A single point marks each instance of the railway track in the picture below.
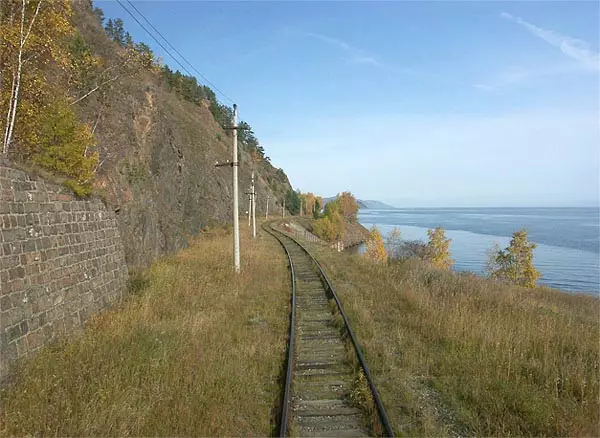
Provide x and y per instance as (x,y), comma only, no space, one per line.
(319,374)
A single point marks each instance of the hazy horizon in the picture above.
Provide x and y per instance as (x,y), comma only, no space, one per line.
(395,204)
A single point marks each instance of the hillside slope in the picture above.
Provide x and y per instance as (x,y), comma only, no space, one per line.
(364,203)
(157,154)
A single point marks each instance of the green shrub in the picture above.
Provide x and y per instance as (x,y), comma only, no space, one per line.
(64,145)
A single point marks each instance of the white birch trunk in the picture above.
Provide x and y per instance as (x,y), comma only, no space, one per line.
(14,99)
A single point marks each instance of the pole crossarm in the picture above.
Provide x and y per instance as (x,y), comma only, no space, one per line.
(231,128)
(227,164)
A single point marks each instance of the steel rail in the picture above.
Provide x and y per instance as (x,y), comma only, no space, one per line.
(290,355)
(380,408)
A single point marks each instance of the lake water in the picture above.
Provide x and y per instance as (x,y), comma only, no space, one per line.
(568,239)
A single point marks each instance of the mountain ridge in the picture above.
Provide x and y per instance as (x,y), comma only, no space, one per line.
(367,204)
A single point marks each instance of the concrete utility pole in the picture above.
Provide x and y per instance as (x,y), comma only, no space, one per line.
(283,209)
(267,213)
(301,207)
(236,211)
(249,208)
(253,208)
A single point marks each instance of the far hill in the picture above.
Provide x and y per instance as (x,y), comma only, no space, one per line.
(374,205)
(365,204)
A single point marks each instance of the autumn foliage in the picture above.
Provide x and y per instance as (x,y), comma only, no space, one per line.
(325,229)
(308,204)
(37,120)
(375,248)
(514,264)
(331,226)
(394,243)
(348,206)
(437,251)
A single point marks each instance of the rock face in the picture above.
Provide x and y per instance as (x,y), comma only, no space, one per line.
(158,155)
(61,260)
(165,186)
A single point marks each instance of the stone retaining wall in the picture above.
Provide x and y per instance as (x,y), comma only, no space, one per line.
(61,260)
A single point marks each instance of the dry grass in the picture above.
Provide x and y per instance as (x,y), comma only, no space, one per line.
(456,354)
(195,351)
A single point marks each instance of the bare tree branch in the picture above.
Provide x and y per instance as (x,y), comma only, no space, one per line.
(96,88)
(98,118)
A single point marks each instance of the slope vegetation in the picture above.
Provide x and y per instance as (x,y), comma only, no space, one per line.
(460,355)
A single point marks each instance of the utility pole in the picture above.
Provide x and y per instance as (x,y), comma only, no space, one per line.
(267,213)
(283,209)
(249,207)
(236,213)
(301,207)
(253,208)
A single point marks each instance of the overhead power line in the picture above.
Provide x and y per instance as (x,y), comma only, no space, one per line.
(171,46)
(154,38)
(180,54)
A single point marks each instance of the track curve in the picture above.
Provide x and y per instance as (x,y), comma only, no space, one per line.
(319,376)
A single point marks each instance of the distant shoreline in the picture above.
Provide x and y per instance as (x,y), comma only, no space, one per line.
(568,245)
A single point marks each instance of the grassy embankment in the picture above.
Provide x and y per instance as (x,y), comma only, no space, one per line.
(194,351)
(456,354)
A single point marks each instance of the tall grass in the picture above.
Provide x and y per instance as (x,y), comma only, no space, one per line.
(195,350)
(457,354)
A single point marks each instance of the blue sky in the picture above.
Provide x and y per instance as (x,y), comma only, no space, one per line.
(412,103)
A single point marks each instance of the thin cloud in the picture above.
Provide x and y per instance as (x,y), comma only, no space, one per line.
(485,87)
(357,56)
(522,76)
(368,60)
(571,47)
(508,79)
(334,42)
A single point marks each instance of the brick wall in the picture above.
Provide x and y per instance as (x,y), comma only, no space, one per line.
(61,260)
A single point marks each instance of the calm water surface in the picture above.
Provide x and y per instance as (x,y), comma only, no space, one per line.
(568,251)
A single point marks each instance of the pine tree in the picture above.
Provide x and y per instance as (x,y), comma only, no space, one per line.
(99,14)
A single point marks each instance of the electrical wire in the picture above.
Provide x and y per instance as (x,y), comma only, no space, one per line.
(180,54)
(171,46)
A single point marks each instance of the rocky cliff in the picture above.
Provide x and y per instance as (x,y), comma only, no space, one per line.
(157,154)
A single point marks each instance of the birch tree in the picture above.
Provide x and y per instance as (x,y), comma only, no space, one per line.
(31,37)
(438,249)
(24,33)
(514,264)
(38,124)
(375,248)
